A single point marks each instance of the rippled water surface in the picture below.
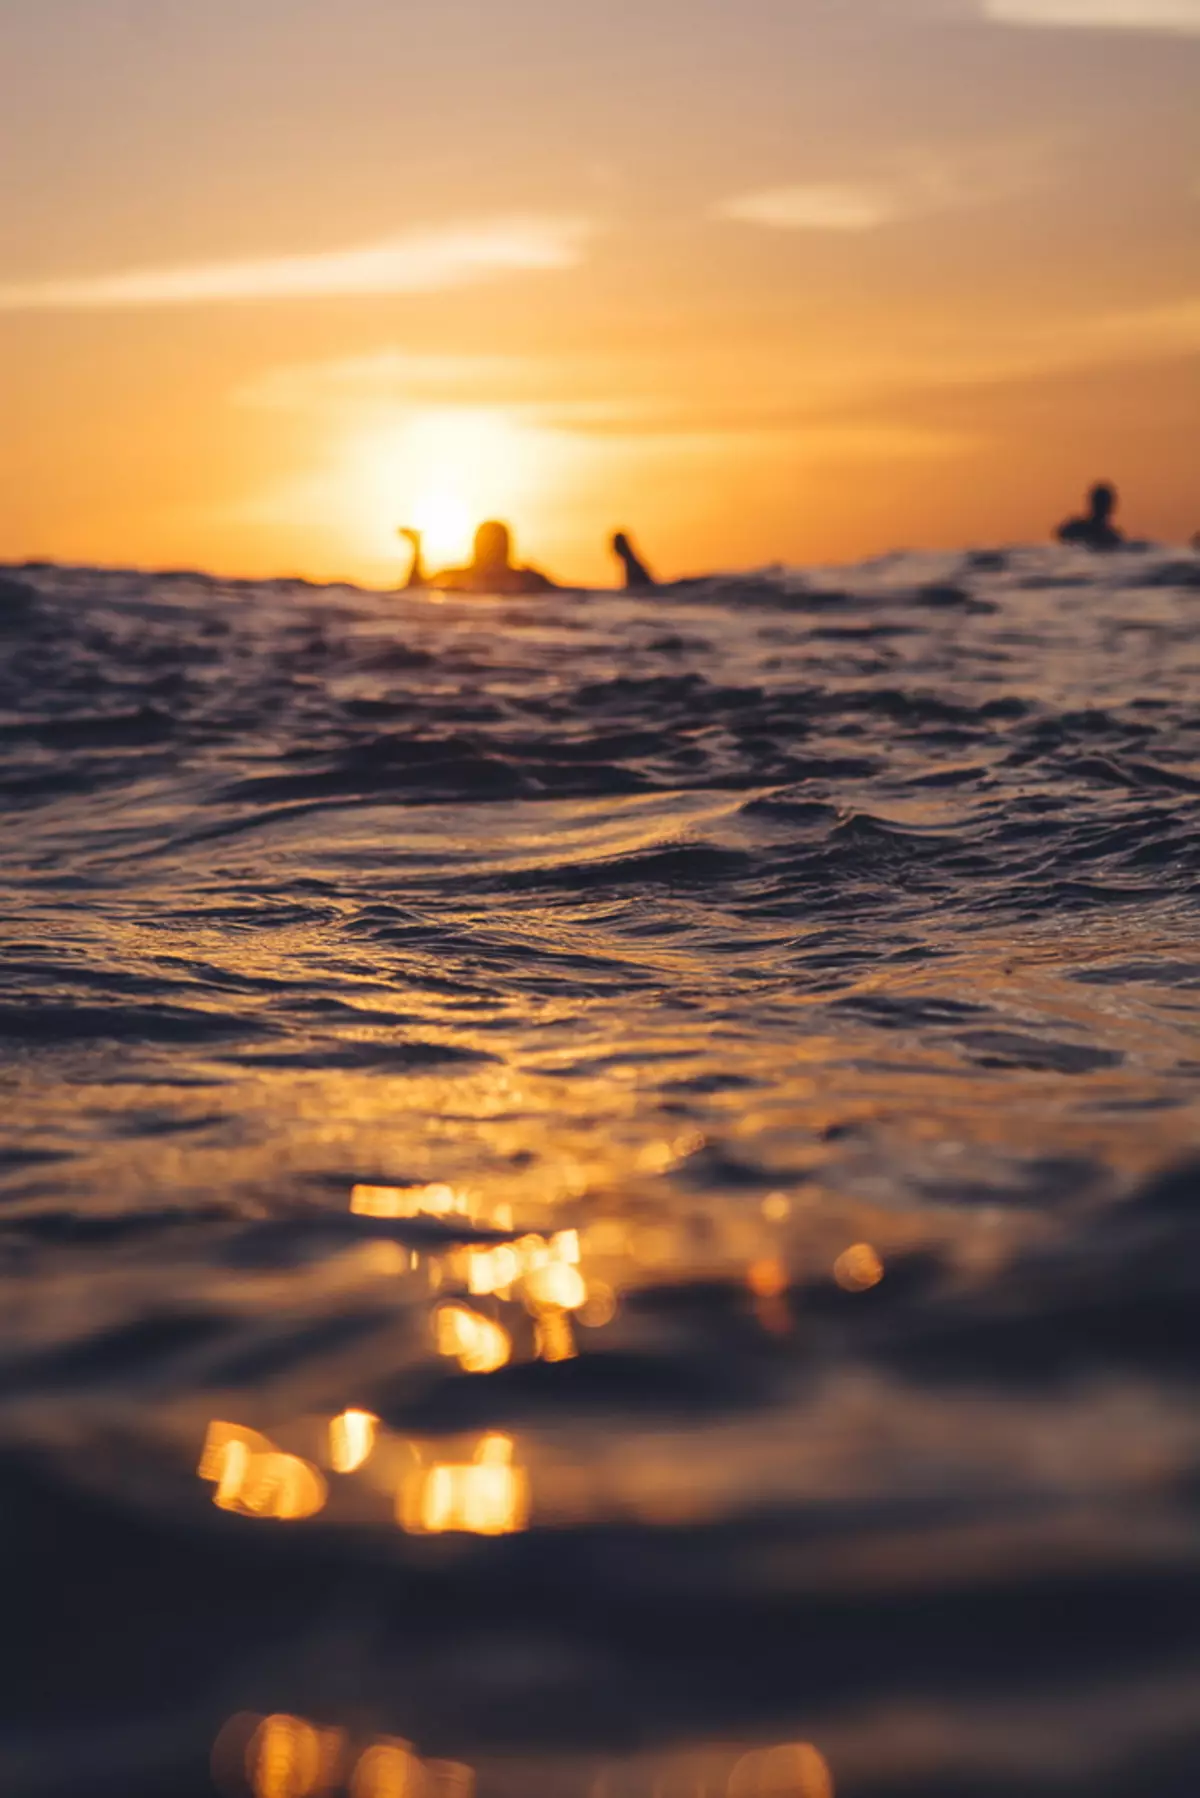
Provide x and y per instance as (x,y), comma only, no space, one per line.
(595,1194)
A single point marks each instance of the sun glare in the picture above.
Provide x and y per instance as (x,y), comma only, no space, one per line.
(444,521)
(443,471)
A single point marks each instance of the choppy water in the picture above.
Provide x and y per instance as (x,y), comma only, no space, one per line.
(749,940)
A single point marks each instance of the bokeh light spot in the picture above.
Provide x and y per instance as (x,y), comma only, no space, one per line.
(858,1269)
(797,1770)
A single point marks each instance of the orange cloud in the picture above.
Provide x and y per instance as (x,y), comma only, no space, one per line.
(919,181)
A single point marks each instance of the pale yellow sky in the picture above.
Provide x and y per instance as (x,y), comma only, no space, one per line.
(796,279)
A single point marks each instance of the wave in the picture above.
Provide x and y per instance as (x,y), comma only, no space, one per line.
(713,1071)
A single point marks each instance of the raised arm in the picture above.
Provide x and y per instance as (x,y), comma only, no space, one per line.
(416,574)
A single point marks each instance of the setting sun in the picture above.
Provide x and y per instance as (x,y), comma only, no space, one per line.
(299,325)
(441,471)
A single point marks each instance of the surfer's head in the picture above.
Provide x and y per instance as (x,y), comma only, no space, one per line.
(620,544)
(1103,501)
(493,545)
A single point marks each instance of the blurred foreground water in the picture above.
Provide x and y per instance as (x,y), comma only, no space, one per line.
(594,1194)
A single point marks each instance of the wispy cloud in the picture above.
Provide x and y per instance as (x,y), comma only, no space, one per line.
(423,261)
(815,206)
(919,183)
(1110,15)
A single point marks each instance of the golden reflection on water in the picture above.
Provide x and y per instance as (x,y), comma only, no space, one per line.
(283,1756)
(217,1441)
(409,1201)
(289,1758)
(534,1261)
(253,1479)
(550,1279)
(279,1486)
(475,1342)
(550,1276)
(433,1199)
(661,1157)
(797,1770)
(553,1337)
(859,1268)
(388,1770)
(393,1770)
(351,1440)
(491,1271)
(555,1288)
(487,1496)
(767,1279)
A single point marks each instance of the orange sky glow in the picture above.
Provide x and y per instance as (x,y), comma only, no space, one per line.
(793,280)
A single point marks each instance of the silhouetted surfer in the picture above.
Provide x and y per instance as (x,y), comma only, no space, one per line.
(490,570)
(1095,530)
(637,575)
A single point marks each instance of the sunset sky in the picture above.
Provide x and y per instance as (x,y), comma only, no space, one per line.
(780,279)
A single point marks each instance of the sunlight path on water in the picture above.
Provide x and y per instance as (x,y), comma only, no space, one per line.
(582,1193)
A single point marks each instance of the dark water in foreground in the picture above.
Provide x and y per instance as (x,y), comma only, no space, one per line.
(760,1022)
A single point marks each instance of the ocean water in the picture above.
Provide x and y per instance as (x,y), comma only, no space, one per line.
(595,1194)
